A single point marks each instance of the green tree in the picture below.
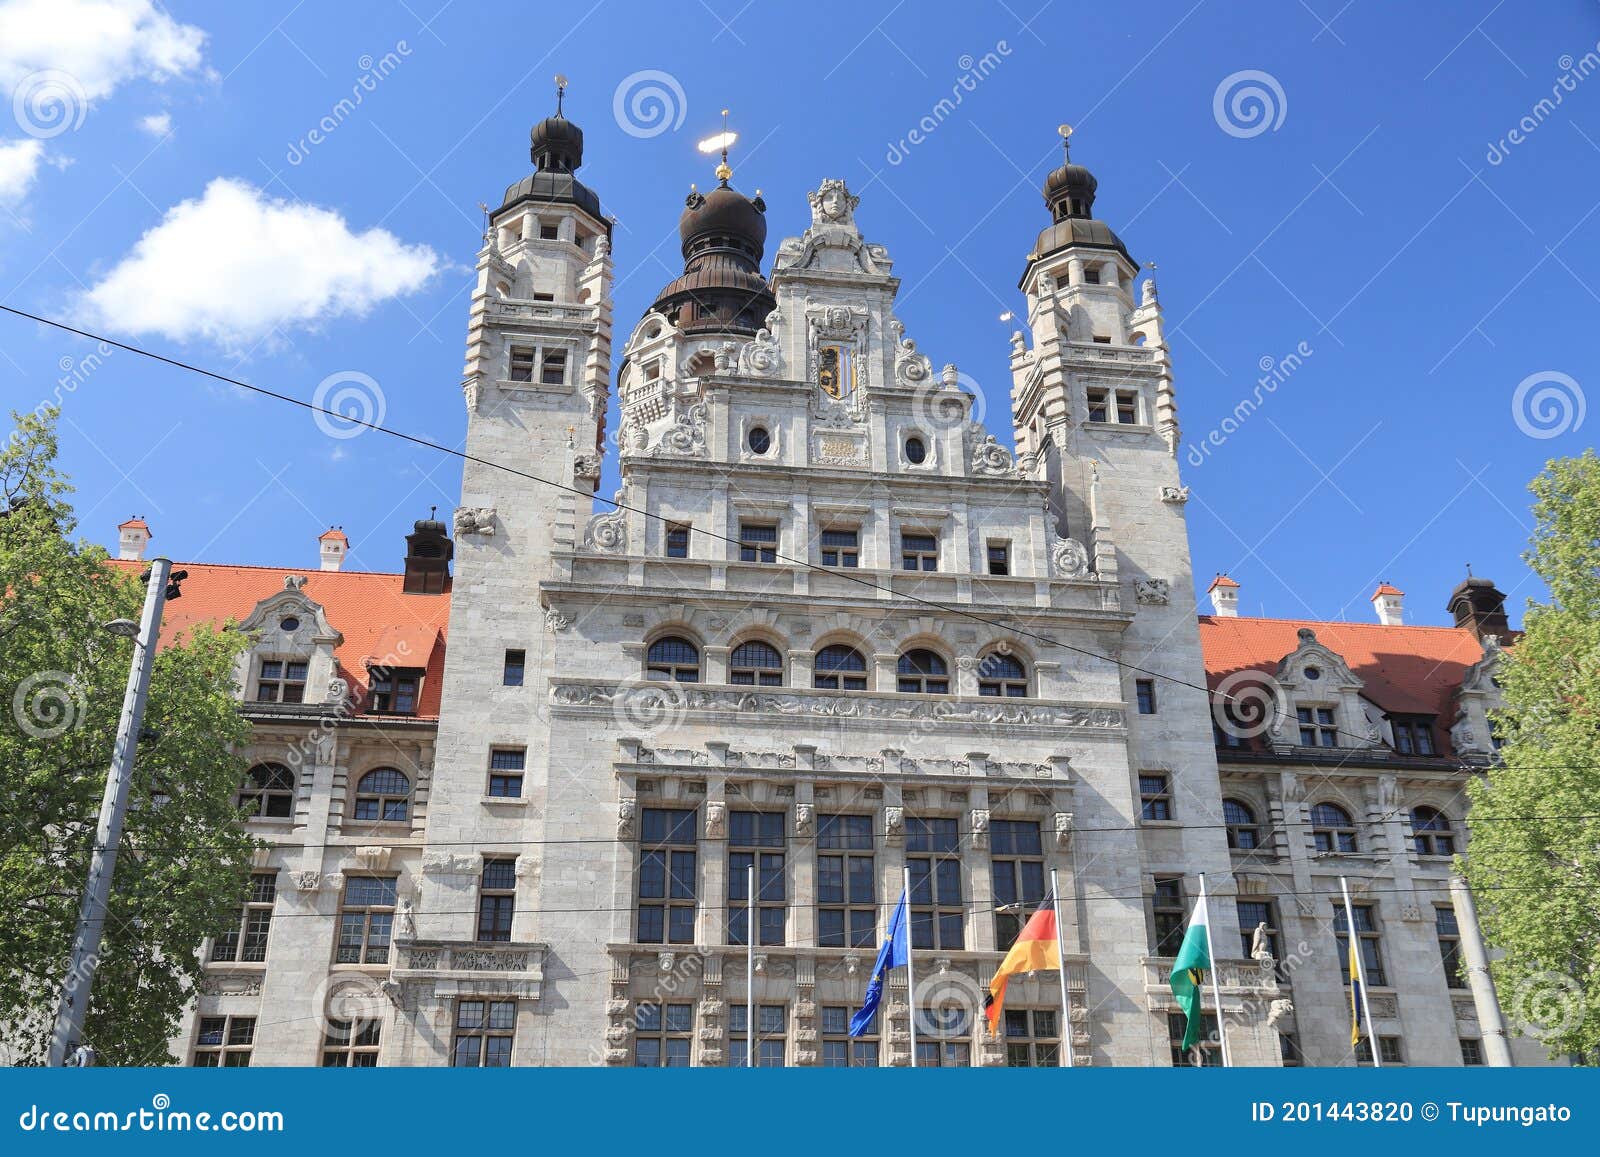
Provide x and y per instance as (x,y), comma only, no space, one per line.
(184,860)
(1534,862)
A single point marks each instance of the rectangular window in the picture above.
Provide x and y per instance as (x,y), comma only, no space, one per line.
(1099,405)
(933,853)
(1205,1051)
(1389,1046)
(846,886)
(839,1049)
(841,548)
(553,368)
(484,1032)
(366,918)
(506,765)
(1000,558)
(771,1023)
(1145,691)
(515,668)
(1099,339)
(1127,407)
(1226,737)
(224,1042)
(944,1038)
(549,232)
(1413,734)
(1471,1051)
(282,681)
(247,940)
(1449,932)
(350,1045)
(1016,859)
(1033,1038)
(1252,914)
(662,1036)
(537,296)
(1316,727)
(522,363)
(758,542)
(919,552)
(394,692)
(755,840)
(1371,949)
(667,875)
(1168,913)
(1091,276)
(1155,797)
(497,899)
(1289,1050)
(677,540)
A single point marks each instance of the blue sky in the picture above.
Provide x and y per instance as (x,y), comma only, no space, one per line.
(156,178)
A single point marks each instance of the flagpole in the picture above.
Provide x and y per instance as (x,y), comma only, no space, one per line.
(750,967)
(1067,1059)
(1216,984)
(911,976)
(1353,947)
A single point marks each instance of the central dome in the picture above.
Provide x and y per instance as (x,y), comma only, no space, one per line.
(721,290)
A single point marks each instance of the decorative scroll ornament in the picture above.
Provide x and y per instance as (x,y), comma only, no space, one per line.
(989,457)
(762,357)
(686,438)
(1070,558)
(608,531)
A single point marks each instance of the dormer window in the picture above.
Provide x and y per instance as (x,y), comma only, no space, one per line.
(1316,727)
(395,692)
(1413,734)
(281,681)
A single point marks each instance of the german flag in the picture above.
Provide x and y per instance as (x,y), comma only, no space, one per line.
(1035,950)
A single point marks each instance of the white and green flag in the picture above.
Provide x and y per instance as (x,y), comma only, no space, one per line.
(1189,972)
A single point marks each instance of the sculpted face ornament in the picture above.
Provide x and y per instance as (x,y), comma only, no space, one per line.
(833,204)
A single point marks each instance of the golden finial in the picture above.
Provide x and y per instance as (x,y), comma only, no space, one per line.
(720,142)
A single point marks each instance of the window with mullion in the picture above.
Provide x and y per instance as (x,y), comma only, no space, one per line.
(1413,734)
(1367,934)
(351,1045)
(933,854)
(1017,868)
(1449,933)
(246,941)
(1317,727)
(1332,829)
(919,552)
(663,1036)
(1168,913)
(756,664)
(366,919)
(839,668)
(758,542)
(756,839)
(944,1038)
(668,872)
(497,899)
(839,1049)
(846,883)
(1155,797)
(268,792)
(394,692)
(841,548)
(281,681)
(224,1042)
(772,1022)
(1207,1050)
(506,767)
(1033,1038)
(484,1032)
(1430,833)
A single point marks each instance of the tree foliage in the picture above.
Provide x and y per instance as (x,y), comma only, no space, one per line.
(184,859)
(1535,854)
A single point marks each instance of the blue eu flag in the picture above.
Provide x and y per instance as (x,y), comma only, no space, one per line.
(895,953)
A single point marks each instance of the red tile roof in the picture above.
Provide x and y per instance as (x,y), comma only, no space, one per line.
(333,532)
(139,522)
(366,607)
(1221,580)
(1386,589)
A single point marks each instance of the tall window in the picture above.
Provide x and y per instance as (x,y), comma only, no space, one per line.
(281,681)
(1145,692)
(999,554)
(1155,797)
(1316,727)
(384,795)
(553,368)
(522,358)
(841,548)
(366,919)
(1033,1038)
(841,1050)
(1430,832)
(1471,1051)
(1168,913)
(922,672)
(756,664)
(268,792)
(1003,676)
(1449,932)
(673,659)
(839,668)
(1252,914)
(1127,406)
(919,551)
(506,765)
(662,1036)
(1243,833)
(484,1032)
(394,692)
(1017,865)
(351,1045)
(247,940)
(1367,934)
(755,839)
(1413,734)
(224,1042)
(758,542)
(1205,1052)
(667,873)
(933,853)
(846,888)
(516,665)
(772,1022)
(677,540)
(497,899)
(944,1038)
(1332,829)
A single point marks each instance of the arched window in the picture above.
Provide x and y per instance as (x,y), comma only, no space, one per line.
(1002,675)
(839,668)
(923,672)
(674,659)
(756,664)
(1241,821)
(383,795)
(1430,832)
(268,792)
(1332,830)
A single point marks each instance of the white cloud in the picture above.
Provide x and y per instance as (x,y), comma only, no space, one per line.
(99,43)
(235,264)
(157,124)
(19,164)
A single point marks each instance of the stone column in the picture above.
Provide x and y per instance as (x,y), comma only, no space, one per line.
(1491,1022)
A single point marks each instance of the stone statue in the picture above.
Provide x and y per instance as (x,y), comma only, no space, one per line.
(1261,944)
(1277,1010)
(833,204)
(405,921)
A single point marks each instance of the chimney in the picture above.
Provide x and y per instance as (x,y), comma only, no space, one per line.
(1390,605)
(333,547)
(1224,597)
(1478,605)
(428,554)
(132,537)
